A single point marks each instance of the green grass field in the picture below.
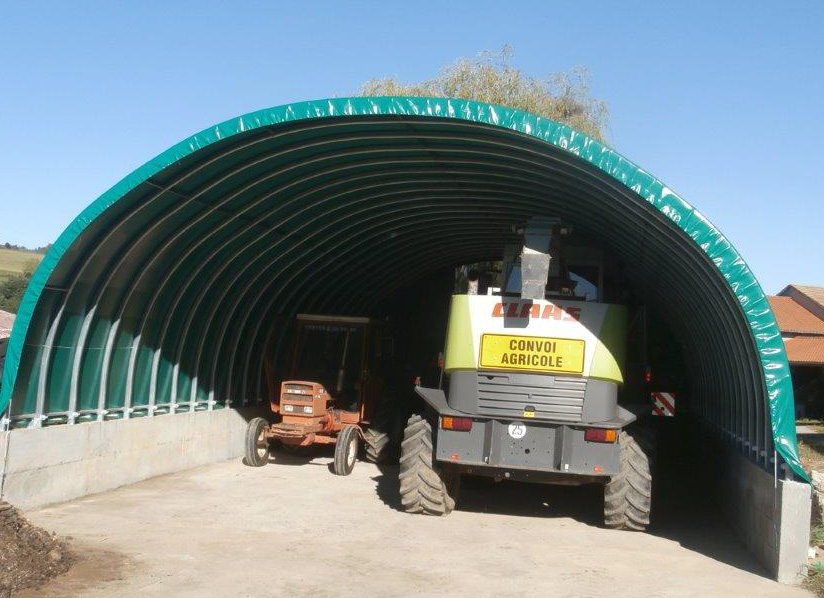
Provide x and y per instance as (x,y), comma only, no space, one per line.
(15,261)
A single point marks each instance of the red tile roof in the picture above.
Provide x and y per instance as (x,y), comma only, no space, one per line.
(805,350)
(810,297)
(6,322)
(792,317)
(813,292)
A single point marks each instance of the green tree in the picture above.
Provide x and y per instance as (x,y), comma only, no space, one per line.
(490,77)
(12,289)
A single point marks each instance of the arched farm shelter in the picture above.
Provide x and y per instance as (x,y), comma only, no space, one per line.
(170,291)
(173,292)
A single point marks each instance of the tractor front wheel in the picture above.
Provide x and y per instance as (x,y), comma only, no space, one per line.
(256,445)
(424,489)
(346,450)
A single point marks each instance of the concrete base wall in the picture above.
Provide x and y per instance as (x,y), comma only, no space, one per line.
(771,517)
(59,463)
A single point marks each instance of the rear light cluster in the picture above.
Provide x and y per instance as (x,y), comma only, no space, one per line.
(601,435)
(459,424)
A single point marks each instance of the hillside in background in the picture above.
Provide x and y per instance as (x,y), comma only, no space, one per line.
(16,267)
(18,262)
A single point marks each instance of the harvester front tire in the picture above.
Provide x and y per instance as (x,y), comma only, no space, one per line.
(423,488)
(346,451)
(256,447)
(628,495)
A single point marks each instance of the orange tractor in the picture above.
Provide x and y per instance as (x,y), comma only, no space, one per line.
(334,393)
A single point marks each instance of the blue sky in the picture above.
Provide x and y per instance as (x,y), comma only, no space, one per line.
(721,100)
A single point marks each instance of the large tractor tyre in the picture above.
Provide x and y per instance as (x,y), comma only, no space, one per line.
(628,495)
(423,488)
(256,447)
(346,450)
(380,440)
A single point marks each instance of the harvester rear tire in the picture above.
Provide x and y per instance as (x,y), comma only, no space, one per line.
(256,453)
(423,488)
(346,450)
(628,495)
(377,438)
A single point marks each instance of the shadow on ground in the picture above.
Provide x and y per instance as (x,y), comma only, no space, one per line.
(683,507)
(294,457)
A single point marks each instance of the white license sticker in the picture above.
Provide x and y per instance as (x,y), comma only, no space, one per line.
(517,430)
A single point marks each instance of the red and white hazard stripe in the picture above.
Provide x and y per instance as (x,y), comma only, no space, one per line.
(663,404)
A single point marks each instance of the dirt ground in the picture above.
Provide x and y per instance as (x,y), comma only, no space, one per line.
(294,529)
(29,556)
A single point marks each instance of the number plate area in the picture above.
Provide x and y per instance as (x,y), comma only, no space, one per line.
(527,446)
(532,353)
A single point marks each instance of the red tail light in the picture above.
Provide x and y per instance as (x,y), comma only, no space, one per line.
(600,435)
(460,424)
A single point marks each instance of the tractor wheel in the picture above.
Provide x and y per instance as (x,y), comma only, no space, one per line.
(628,495)
(423,488)
(257,445)
(346,450)
(379,440)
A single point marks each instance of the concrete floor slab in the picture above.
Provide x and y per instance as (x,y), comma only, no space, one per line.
(294,529)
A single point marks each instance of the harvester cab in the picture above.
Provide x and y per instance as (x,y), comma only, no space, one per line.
(334,393)
(532,373)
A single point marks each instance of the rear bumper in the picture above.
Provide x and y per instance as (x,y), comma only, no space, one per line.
(523,446)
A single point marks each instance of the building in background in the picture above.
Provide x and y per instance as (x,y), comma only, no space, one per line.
(799,310)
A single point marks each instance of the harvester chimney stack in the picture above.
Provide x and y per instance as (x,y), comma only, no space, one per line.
(535,257)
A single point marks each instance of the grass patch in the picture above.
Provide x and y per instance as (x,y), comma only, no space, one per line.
(811,447)
(17,261)
(815,579)
(812,452)
(817,535)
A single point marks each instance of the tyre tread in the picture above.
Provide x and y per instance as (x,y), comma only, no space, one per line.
(628,495)
(422,488)
(340,465)
(253,430)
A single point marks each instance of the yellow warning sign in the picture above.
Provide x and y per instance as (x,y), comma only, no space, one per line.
(540,354)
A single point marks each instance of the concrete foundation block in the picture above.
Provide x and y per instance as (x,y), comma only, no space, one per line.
(59,463)
(771,516)
(794,530)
